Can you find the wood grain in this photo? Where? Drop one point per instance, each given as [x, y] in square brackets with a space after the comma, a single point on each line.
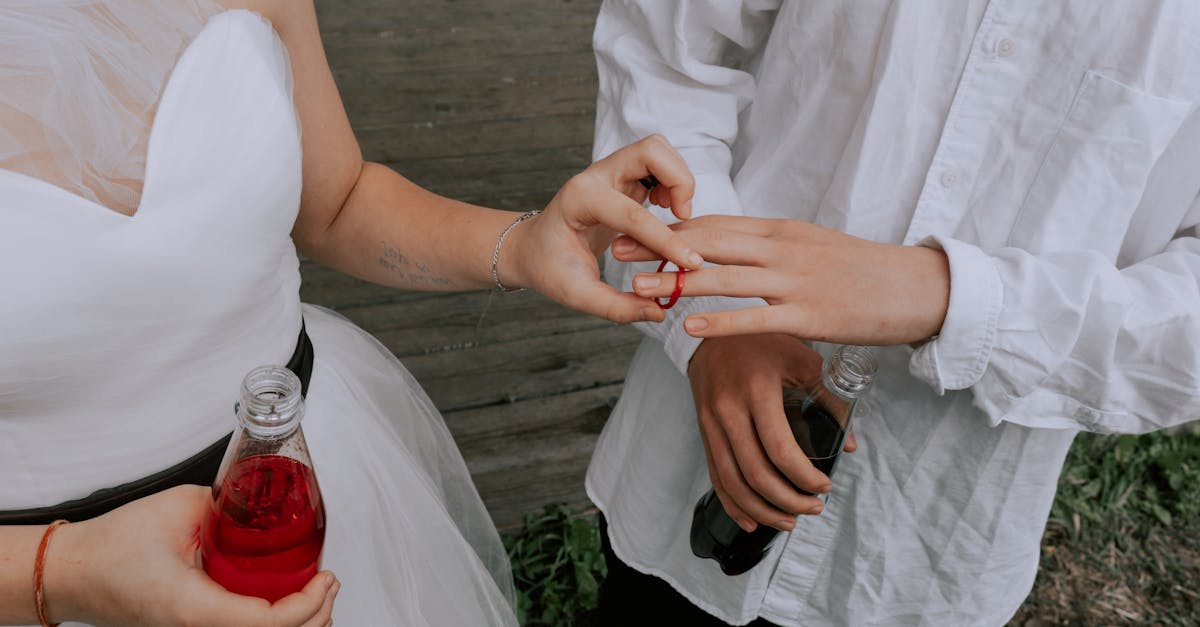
[492, 103]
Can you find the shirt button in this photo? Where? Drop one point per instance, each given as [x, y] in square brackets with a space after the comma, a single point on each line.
[949, 178]
[1006, 47]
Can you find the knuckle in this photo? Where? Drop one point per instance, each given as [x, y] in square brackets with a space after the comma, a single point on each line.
[655, 139]
[731, 478]
[712, 237]
[778, 450]
[725, 408]
[759, 478]
[636, 215]
[620, 314]
[577, 184]
[755, 318]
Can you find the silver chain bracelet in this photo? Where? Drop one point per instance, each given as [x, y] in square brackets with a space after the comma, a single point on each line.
[496, 253]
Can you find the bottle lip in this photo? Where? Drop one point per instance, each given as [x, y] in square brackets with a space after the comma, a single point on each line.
[271, 404]
[850, 370]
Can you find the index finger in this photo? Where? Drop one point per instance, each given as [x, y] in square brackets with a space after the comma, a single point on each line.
[653, 156]
[782, 449]
[619, 212]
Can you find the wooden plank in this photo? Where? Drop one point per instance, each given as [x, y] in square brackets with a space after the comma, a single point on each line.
[467, 321]
[491, 103]
[452, 138]
[528, 368]
[554, 437]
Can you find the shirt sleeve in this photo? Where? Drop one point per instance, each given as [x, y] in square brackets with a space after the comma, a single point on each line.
[670, 68]
[1068, 340]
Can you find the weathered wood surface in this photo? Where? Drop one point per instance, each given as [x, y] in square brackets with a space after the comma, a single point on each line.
[490, 102]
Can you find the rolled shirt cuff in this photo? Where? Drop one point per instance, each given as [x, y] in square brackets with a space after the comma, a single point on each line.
[958, 356]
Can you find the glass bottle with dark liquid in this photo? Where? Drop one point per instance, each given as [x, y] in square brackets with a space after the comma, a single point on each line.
[265, 532]
[819, 416]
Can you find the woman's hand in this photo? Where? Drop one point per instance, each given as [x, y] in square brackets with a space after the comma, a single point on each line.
[556, 253]
[138, 565]
[819, 284]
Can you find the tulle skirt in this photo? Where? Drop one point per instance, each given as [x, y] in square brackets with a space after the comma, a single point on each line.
[407, 535]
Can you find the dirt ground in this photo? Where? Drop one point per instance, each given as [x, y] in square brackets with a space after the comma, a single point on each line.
[1133, 580]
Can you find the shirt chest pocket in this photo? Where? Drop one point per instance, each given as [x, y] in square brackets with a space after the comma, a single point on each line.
[1095, 172]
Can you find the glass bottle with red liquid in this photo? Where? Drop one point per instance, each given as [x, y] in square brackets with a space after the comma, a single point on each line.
[819, 417]
[265, 532]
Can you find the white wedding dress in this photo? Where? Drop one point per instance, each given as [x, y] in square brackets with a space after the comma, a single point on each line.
[124, 339]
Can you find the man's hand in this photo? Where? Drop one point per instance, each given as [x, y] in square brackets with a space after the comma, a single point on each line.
[737, 384]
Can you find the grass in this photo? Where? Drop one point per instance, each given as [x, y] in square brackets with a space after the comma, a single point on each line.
[1122, 546]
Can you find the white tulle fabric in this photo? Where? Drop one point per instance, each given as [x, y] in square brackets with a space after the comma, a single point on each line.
[79, 81]
[125, 337]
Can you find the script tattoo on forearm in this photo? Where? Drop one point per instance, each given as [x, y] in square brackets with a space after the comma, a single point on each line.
[409, 270]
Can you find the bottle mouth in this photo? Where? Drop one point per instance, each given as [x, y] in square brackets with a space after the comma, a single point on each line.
[850, 370]
[271, 402]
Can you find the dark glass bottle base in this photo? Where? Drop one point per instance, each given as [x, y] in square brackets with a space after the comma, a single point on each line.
[716, 536]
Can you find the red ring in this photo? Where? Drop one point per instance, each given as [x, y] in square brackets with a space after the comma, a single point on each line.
[674, 293]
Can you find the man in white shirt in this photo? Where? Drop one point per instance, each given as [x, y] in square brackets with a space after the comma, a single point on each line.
[1048, 153]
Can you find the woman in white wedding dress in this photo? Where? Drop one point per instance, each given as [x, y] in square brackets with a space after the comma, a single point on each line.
[160, 164]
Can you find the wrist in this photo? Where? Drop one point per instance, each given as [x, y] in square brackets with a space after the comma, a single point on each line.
[509, 259]
[63, 573]
[928, 286]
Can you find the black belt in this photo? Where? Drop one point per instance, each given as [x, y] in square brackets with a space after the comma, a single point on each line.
[200, 469]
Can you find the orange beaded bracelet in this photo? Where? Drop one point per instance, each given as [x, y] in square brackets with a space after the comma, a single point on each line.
[39, 566]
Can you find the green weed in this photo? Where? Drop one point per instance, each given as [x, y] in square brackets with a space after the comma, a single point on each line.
[1119, 483]
[558, 565]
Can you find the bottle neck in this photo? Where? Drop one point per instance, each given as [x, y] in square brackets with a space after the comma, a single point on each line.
[849, 372]
[271, 405]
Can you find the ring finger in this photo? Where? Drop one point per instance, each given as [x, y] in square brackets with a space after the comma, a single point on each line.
[719, 280]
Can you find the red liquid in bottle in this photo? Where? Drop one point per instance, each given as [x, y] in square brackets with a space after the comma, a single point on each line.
[266, 531]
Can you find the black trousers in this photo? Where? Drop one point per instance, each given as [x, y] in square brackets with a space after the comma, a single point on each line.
[629, 598]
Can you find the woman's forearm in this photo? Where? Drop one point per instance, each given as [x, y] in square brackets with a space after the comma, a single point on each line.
[18, 548]
[393, 232]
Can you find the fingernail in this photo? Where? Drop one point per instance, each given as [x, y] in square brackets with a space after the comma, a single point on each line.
[330, 580]
[817, 509]
[646, 282]
[825, 489]
[695, 324]
[622, 245]
[694, 259]
[747, 525]
[786, 524]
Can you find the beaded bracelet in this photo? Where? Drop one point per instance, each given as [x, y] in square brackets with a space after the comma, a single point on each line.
[496, 253]
[39, 567]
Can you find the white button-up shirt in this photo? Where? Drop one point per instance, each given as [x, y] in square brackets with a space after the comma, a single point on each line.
[1052, 149]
